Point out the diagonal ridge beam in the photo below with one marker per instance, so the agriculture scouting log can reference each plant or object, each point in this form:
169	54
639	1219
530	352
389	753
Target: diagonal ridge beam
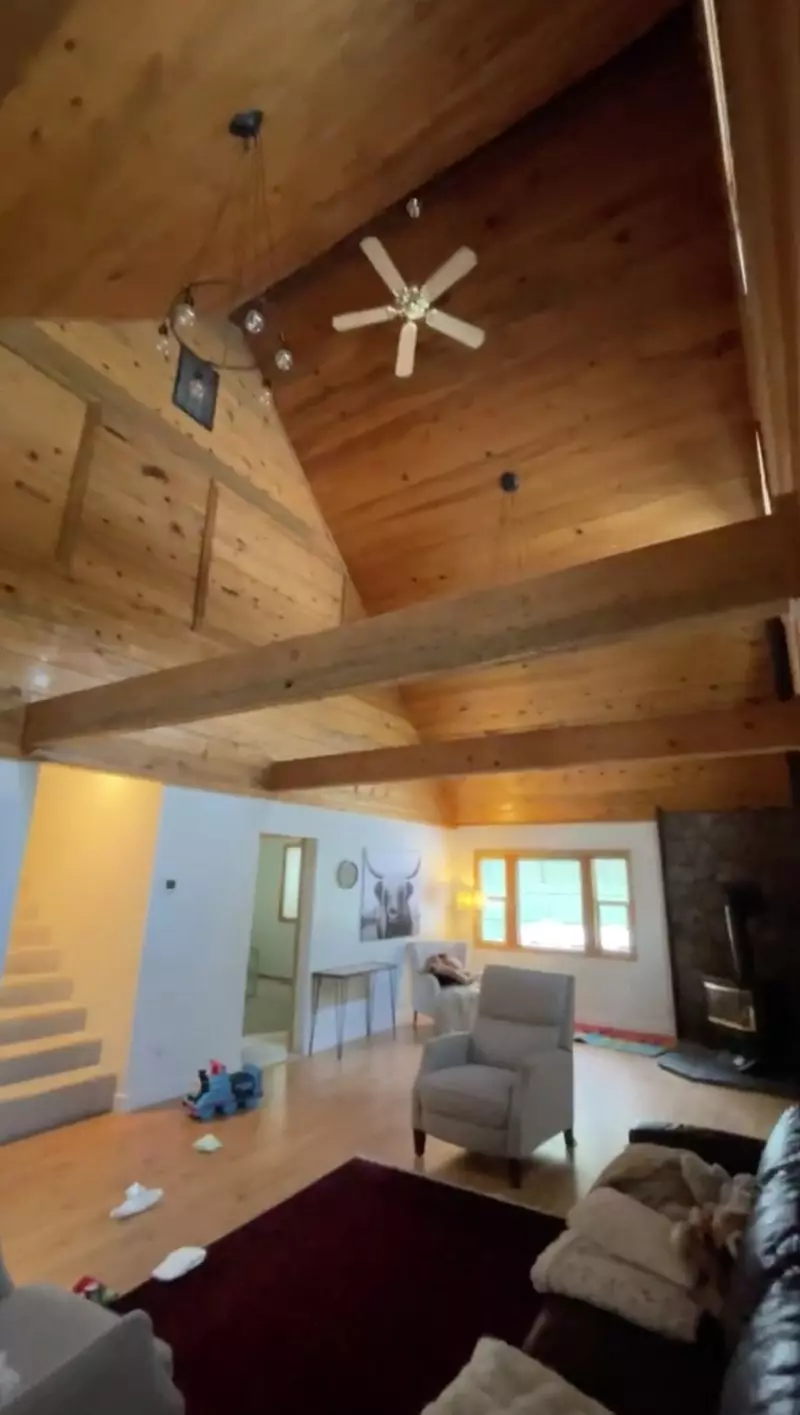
749	563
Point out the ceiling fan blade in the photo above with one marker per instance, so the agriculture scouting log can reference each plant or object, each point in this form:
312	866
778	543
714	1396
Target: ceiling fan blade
460	264
406	348
356	319
380	260
459	329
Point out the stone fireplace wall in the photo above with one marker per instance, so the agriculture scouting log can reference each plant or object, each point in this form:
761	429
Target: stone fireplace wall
700	852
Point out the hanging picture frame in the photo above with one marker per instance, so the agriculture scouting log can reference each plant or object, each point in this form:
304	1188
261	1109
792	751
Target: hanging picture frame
195	389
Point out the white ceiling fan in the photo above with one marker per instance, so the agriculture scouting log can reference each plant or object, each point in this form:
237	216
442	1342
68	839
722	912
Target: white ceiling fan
415	304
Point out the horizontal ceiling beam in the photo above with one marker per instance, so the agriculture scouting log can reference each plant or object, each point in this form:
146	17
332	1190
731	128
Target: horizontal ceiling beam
761	728
750	563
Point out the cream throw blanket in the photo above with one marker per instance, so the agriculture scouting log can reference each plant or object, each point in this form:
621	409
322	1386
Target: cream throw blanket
650	1242
499	1380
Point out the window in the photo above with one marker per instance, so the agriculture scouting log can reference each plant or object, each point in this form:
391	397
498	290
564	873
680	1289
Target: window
290	883
577	902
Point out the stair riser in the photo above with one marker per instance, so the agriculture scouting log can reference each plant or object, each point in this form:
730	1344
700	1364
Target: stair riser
28	992
32	960
31	1029
71	1056
27	1115
28	934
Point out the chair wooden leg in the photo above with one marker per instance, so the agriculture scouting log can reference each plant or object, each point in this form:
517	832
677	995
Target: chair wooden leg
419	1143
515	1173
569	1138
416	1014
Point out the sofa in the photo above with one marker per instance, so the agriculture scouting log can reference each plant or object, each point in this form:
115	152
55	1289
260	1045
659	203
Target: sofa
749	1364
73	1357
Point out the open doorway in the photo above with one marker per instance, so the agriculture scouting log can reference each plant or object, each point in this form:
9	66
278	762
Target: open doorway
271	1022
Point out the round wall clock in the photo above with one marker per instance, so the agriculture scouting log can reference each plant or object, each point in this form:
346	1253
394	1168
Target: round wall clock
346	874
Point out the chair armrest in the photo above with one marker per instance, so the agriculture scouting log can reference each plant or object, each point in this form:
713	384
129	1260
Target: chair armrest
738	1154
542	1102
451	1049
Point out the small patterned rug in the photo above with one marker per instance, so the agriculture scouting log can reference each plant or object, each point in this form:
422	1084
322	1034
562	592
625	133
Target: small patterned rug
601	1039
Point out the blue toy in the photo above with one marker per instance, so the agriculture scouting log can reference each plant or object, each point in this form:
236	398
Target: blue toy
223	1093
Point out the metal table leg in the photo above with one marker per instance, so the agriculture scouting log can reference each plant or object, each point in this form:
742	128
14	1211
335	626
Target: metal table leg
341	1013
391	994
368	1000
316	989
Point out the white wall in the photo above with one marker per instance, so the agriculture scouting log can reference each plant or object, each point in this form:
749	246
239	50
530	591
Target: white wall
194	962
17	790
633	995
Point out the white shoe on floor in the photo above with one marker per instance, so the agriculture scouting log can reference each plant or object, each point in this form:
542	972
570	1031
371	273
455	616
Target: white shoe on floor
137	1199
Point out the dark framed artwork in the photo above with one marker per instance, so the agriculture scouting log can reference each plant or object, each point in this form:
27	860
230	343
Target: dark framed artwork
195	390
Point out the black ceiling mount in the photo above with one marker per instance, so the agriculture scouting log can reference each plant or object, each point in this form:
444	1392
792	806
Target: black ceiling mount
508	481
246	125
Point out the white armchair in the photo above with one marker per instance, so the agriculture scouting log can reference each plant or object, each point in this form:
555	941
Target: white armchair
506	1086
425	988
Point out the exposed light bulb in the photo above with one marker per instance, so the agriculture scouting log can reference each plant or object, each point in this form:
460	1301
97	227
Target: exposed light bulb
185	316
254	321
197	387
284	359
414	207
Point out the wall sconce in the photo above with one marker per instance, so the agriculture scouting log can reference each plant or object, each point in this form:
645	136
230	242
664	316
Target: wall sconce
468	898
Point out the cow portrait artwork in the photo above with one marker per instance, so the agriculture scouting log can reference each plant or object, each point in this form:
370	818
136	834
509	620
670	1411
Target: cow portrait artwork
390	895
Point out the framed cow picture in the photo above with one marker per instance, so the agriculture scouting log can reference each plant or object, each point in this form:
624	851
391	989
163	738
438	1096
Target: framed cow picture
390	894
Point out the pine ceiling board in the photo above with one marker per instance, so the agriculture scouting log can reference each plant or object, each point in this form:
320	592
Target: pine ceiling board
612	377
243	438
139	534
40	429
732	784
125	607
705	666
120	115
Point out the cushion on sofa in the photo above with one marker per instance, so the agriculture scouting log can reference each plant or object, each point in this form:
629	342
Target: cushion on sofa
763	1377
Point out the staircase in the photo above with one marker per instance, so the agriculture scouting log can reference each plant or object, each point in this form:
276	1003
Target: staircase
50	1072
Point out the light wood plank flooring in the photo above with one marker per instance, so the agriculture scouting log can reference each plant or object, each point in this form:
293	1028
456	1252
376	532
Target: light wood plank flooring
56	1189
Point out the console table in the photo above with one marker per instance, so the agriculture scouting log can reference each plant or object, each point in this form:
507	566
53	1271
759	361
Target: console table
340	977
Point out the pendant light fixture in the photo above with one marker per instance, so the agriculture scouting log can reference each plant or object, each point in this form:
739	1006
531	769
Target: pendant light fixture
198	319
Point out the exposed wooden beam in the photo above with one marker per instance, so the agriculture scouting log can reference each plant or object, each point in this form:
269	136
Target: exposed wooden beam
753	562
759	50
204	562
78	483
764	728
130	418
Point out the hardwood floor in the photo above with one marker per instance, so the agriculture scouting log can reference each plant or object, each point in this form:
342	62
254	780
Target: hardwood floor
56	1189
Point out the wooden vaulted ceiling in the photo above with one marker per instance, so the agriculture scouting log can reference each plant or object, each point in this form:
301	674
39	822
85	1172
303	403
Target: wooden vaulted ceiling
612	379
113	144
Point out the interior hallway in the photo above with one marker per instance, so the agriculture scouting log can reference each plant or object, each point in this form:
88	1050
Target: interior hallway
56	1189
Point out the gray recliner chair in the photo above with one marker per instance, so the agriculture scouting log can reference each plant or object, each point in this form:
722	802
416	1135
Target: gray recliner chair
505	1087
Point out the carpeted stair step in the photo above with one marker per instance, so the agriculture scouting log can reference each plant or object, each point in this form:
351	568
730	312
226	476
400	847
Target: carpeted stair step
28	989
32	960
30	1106
47	1056
44	1019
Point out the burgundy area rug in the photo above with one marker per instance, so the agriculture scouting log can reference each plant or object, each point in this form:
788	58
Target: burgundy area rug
362	1295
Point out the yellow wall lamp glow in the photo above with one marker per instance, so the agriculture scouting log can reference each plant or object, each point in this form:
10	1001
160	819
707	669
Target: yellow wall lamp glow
468	898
